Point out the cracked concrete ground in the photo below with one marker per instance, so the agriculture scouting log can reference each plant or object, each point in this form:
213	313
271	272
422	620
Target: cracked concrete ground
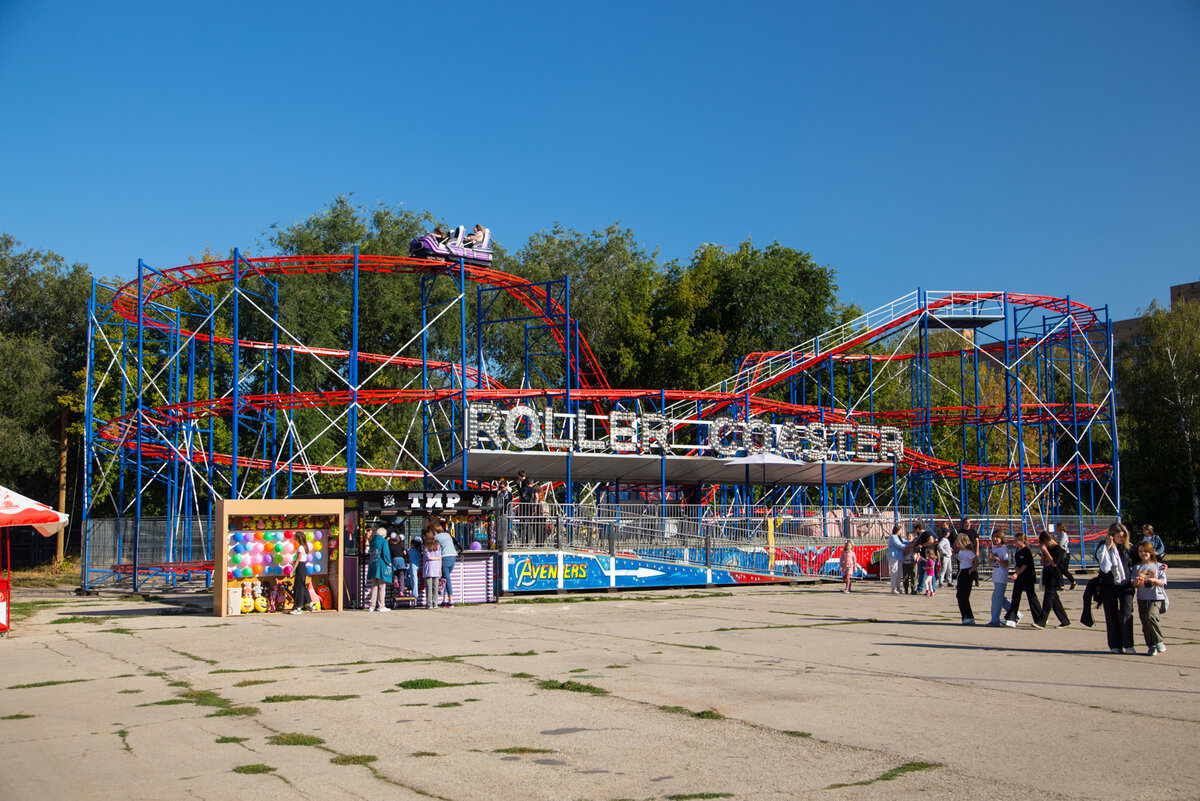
763	693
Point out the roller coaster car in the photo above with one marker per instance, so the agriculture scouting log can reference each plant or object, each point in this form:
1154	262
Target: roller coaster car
453	249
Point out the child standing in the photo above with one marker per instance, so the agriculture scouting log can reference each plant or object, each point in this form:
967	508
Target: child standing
929	572
1000	559
849	563
414	569
431	567
1148	581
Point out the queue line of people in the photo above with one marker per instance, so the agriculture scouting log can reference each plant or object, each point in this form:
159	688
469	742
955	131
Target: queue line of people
1127	579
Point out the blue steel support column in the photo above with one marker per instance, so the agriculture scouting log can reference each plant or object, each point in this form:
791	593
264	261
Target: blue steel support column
352	418
237	377
141	321
572	338
1020	418
1112	413
88	445
462	358
424	385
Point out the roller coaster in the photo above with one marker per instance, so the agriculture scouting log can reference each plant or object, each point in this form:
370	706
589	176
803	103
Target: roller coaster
1006	400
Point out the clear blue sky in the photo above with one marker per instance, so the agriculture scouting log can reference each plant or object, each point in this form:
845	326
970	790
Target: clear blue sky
1046	147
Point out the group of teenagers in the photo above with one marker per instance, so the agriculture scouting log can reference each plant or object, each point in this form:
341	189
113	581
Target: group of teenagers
422	571
1125	575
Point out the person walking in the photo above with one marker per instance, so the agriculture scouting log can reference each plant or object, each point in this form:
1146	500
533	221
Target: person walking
1149	581
999	558
910	564
379	571
966	569
1024	582
1055	568
449	556
895	555
1116	589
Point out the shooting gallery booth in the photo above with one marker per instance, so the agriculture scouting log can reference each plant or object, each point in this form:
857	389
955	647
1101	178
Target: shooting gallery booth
470	518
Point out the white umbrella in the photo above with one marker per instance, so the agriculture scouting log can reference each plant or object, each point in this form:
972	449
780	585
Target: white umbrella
17	510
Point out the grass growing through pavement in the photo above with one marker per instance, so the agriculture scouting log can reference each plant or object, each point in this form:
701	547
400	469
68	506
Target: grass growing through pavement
294	739
354	759
124	735
446	704
422	753
430	684
689	796
235	711
797	733
283	699
45	683
128	692
255	768
223	740
707	714
571	686
907	767
522	675
61	621
252	682
520	749
18	716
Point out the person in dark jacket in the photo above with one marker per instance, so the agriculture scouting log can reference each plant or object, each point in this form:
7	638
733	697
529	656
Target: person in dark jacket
1056	568
1024	578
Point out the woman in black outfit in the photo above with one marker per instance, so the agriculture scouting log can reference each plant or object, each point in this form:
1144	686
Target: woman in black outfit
1116	589
1024	581
300	575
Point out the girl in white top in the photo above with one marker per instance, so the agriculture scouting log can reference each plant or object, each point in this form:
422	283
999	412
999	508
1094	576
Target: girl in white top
1150	577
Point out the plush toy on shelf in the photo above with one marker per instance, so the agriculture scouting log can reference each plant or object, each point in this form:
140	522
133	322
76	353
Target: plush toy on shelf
261	603
247	598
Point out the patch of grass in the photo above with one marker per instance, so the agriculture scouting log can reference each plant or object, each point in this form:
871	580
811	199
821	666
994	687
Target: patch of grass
118	630
124	735
157	673
707	714
283	699
224	740
128	692
126	676
168	702
258	767
521	653
522	675
354	759
571	686
520	749
19	610
204	698
193	657
887	776
578	670
18	716
253	682
616	667
61	621
446	704
50	683
790	733
234	712
294	739
689	796
430	684
422	753
180	683
469	700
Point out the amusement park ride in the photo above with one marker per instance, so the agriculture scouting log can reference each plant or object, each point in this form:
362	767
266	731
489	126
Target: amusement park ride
936	406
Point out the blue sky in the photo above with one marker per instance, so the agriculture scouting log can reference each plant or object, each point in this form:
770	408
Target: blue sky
1044	147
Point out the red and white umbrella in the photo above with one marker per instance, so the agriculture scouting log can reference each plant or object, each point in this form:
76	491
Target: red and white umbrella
17	510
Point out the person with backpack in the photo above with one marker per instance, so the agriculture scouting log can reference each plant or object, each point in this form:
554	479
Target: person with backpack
1056	567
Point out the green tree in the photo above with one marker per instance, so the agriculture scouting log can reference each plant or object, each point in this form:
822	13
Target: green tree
1159	378
43	335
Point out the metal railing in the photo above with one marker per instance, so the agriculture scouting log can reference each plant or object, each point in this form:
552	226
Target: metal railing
163	556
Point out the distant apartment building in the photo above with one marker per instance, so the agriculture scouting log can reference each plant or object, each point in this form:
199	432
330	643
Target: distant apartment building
1125	330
